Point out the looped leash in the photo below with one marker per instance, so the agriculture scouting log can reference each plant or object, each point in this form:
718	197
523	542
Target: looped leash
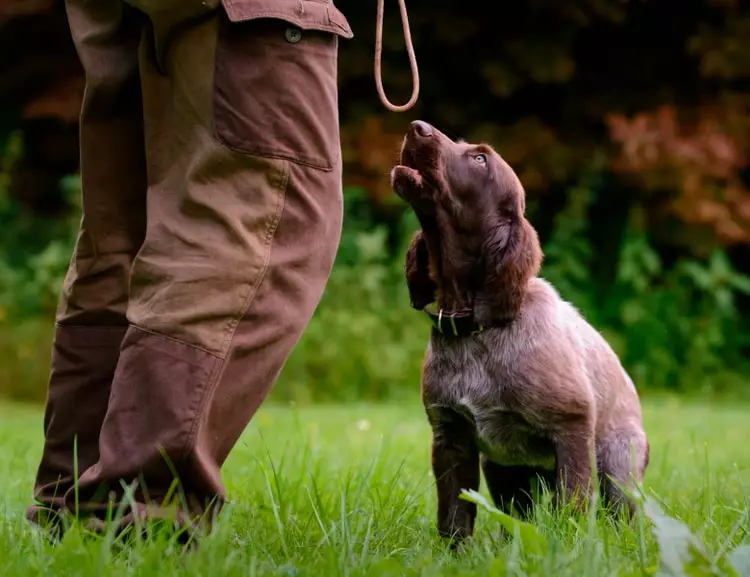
378	57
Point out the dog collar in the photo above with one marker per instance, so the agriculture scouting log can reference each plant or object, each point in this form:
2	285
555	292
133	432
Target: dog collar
455	324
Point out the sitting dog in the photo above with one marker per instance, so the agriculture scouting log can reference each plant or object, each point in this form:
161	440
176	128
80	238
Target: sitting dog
515	381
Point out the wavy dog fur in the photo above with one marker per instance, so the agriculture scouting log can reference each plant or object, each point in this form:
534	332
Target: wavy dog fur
539	393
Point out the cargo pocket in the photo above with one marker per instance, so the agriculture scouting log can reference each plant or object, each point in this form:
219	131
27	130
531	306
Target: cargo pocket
275	83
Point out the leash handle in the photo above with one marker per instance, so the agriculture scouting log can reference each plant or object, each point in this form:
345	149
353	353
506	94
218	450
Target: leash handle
379	54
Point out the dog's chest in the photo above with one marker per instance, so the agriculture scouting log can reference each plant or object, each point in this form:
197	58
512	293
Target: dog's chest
465	380
506	438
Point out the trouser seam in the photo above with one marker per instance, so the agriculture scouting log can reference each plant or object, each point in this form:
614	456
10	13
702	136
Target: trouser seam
180	342
216	375
64	325
268	241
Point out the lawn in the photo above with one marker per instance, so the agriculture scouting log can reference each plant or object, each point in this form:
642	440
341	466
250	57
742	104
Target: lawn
348	490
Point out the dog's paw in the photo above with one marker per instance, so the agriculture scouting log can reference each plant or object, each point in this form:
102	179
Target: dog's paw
457	541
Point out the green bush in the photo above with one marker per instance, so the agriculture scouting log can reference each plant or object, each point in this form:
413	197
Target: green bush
34	252
676	329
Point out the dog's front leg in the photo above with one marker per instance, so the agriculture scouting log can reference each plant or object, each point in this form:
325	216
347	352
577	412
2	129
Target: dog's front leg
455	464
574	449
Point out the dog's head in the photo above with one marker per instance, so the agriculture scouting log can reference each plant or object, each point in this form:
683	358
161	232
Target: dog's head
467	182
475	245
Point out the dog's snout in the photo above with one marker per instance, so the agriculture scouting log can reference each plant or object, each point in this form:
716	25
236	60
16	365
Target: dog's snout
421	128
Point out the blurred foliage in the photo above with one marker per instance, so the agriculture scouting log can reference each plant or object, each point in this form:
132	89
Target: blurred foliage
676	328
661	94
628	122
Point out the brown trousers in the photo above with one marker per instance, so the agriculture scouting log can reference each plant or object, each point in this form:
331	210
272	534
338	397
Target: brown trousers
212	210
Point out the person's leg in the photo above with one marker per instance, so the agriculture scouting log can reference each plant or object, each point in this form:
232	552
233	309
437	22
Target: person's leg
91	318
244	220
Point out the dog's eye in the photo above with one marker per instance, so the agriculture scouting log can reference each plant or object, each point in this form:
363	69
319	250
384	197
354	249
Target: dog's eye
481	158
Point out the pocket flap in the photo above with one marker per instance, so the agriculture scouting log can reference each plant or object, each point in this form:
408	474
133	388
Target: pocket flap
306	14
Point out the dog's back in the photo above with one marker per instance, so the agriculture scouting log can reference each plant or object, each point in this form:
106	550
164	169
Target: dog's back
616	396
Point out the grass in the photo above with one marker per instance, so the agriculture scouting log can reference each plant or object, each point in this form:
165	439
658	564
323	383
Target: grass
326	491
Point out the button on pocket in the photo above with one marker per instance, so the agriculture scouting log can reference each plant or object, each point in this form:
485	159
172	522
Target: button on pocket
293	35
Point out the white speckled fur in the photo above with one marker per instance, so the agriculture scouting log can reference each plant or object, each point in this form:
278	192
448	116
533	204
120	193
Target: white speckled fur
487	378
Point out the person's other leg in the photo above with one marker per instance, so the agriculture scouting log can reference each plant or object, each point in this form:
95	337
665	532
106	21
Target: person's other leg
244	220
91	318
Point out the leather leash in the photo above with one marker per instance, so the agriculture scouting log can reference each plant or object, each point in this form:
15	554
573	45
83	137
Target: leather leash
379	53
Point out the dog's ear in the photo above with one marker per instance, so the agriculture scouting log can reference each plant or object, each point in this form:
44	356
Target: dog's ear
421	286
511	257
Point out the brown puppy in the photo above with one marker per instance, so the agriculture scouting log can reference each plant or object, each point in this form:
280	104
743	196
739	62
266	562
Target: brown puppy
514	377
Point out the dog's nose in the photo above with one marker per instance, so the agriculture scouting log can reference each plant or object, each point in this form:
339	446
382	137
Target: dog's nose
421	128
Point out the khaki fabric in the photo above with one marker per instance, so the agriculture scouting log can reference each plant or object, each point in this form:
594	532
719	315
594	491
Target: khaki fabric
212	195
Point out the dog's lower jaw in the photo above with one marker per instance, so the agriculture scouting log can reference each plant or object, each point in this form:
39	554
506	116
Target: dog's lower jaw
405	180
